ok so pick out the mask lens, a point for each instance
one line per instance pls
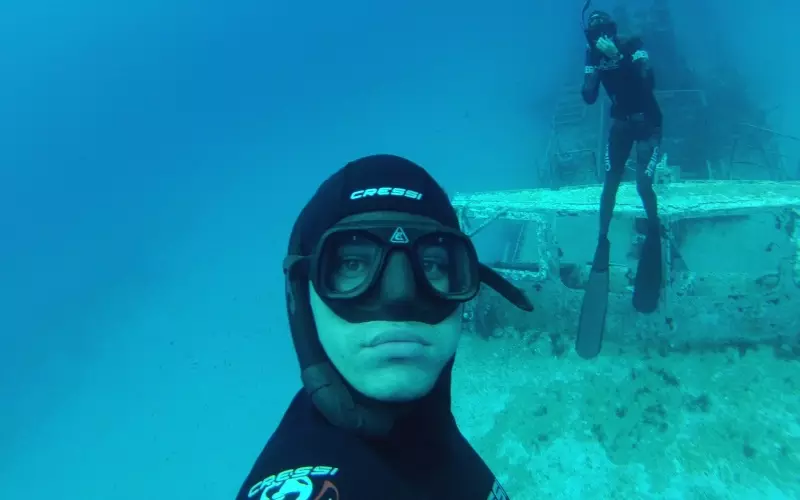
(601, 26)
(348, 263)
(449, 264)
(351, 260)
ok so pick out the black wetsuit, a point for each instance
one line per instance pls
(636, 118)
(424, 458)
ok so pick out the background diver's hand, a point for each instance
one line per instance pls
(607, 47)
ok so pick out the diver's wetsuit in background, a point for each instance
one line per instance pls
(424, 458)
(636, 118)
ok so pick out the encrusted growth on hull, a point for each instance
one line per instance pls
(731, 251)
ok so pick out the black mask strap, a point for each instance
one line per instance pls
(511, 293)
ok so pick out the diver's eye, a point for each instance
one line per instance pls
(351, 267)
(434, 269)
(349, 273)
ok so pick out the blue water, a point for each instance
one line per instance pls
(153, 156)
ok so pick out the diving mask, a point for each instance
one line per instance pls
(600, 25)
(397, 269)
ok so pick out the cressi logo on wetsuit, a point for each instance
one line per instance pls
(317, 483)
(302, 483)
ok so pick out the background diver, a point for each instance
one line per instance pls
(623, 68)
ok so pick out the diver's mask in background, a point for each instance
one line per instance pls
(600, 25)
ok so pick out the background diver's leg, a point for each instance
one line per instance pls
(648, 152)
(649, 272)
(592, 321)
(620, 141)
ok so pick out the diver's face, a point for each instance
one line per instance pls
(385, 360)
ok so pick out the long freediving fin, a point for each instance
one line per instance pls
(592, 321)
(649, 273)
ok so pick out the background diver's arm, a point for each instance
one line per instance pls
(591, 79)
(641, 60)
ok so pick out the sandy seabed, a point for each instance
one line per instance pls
(630, 424)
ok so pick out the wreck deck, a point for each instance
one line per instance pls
(681, 200)
(731, 260)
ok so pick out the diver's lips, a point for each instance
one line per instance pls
(397, 336)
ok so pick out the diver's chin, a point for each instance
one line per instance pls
(400, 383)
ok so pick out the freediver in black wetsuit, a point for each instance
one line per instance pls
(623, 68)
(376, 275)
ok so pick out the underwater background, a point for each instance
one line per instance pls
(153, 156)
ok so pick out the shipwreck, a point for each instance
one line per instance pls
(729, 201)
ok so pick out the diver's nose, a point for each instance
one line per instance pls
(397, 282)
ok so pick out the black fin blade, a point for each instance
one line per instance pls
(649, 276)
